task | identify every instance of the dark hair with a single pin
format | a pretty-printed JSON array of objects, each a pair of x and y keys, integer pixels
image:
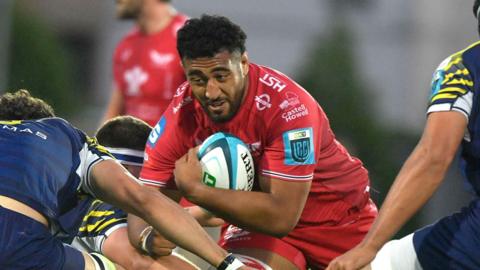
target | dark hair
[
  {"x": 209, "y": 35},
  {"x": 21, "y": 105},
  {"x": 124, "y": 132}
]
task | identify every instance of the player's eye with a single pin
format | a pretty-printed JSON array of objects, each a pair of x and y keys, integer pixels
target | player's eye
[
  {"x": 221, "y": 77},
  {"x": 196, "y": 81}
]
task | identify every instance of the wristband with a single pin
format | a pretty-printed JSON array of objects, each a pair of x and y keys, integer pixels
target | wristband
[
  {"x": 230, "y": 263},
  {"x": 143, "y": 239}
]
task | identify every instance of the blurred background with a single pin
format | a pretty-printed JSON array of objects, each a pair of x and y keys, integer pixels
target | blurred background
[{"x": 368, "y": 63}]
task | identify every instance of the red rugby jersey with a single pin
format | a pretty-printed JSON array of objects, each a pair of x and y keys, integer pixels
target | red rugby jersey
[
  {"x": 289, "y": 137},
  {"x": 147, "y": 70}
]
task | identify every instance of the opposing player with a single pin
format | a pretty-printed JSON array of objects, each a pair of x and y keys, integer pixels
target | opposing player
[
  {"x": 452, "y": 121},
  {"x": 45, "y": 165},
  {"x": 146, "y": 66},
  {"x": 311, "y": 200},
  {"x": 99, "y": 227}
]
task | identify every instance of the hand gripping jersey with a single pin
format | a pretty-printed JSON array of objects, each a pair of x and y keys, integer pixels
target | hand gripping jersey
[
  {"x": 147, "y": 70},
  {"x": 46, "y": 164},
  {"x": 288, "y": 135}
]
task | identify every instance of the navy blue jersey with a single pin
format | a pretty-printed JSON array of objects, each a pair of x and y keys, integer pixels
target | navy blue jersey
[
  {"x": 456, "y": 87},
  {"x": 46, "y": 164}
]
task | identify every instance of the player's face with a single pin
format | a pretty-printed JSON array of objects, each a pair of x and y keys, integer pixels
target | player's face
[
  {"x": 218, "y": 83},
  {"x": 128, "y": 9}
]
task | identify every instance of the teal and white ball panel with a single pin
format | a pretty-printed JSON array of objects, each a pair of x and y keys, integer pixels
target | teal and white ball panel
[{"x": 226, "y": 162}]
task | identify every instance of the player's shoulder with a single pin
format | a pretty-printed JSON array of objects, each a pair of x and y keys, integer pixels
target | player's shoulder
[
  {"x": 281, "y": 93},
  {"x": 464, "y": 57}
]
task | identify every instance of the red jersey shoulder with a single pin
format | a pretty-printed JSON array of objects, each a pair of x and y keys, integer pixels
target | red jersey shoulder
[{"x": 282, "y": 96}]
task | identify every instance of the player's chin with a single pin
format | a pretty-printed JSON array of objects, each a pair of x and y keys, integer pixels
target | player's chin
[{"x": 219, "y": 118}]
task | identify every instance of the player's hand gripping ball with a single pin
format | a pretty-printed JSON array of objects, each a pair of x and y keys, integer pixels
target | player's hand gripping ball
[{"x": 226, "y": 162}]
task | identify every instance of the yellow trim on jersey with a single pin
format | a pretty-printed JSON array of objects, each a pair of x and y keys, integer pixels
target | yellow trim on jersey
[
  {"x": 453, "y": 89},
  {"x": 97, "y": 214},
  {"x": 458, "y": 72},
  {"x": 445, "y": 95},
  {"x": 456, "y": 57},
  {"x": 93, "y": 227},
  {"x": 11, "y": 122},
  {"x": 108, "y": 223},
  {"x": 460, "y": 81},
  {"x": 454, "y": 61}
]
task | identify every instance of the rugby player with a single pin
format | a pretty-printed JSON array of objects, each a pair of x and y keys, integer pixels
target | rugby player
[
  {"x": 45, "y": 166},
  {"x": 95, "y": 226},
  {"x": 452, "y": 242},
  {"x": 311, "y": 199},
  {"x": 146, "y": 65}
]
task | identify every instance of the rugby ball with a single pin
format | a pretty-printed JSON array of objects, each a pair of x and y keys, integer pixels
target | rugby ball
[{"x": 226, "y": 162}]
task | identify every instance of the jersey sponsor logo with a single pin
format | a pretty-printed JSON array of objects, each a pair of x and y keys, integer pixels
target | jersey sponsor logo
[
  {"x": 291, "y": 99},
  {"x": 299, "y": 148},
  {"x": 182, "y": 103},
  {"x": 263, "y": 102},
  {"x": 161, "y": 59},
  {"x": 11, "y": 128},
  {"x": 273, "y": 82},
  {"x": 295, "y": 113},
  {"x": 135, "y": 77},
  {"x": 157, "y": 131}
]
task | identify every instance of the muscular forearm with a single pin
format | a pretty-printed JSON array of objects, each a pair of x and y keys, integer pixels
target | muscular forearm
[
  {"x": 175, "y": 224},
  {"x": 416, "y": 182},
  {"x": 257, "y": 211}
]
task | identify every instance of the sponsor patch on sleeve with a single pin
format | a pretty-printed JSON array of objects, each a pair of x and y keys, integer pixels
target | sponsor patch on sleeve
[
  {"x": 157, "y": 131},
  {"x": 299, "y": 148}
]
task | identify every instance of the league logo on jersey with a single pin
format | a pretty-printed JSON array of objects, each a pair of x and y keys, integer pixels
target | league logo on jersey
[
  {"x": 157, "y": 131},
  {"x": 299, "y": 148}
]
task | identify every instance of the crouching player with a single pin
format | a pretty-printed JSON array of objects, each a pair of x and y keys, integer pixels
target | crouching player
[
  {"x": 100, "y": 227},
  {"x": 45, "y": 166}
]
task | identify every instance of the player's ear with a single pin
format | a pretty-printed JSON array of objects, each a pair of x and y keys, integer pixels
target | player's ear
[{"x": 245, "y": 62}]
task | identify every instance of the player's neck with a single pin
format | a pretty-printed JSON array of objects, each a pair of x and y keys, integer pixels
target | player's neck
[{"x": 154, "y": 22}]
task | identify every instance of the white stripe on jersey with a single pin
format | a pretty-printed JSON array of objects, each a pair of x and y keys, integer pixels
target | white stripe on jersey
[
  {"x": 462, "y": 104},
  {"x": 150, "y": 182},
  {"x": 288, "y": 176}
]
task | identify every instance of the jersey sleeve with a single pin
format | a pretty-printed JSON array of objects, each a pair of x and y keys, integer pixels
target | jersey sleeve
[
  {"x": 452, "y": 87},
  {"x": 90, "y": 154},
  {"x": 292, "y": 144},
  {"x": 166, "y": 144}
]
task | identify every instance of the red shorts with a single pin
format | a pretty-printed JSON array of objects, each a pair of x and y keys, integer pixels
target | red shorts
[{"x": 312, "y": 246}]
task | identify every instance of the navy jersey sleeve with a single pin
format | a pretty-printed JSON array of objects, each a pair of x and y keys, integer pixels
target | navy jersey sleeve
[{"x": 452, "y": 87}]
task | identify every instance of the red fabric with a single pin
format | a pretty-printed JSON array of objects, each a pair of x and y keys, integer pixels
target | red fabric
[
  {"x": 147, "y": 70},
  {"x": 273, "y": 108},
  {"x": 234, "y": 237},
  {"x": 314, "y": 246}
]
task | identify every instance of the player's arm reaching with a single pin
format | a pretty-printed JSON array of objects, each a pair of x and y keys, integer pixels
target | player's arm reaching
[
  {"x": 275, "y": 211},
  {"x": 418, "y": 179},
  {"x": 158, "y": 210},
  {"x": 146, "y": 240}
]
